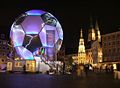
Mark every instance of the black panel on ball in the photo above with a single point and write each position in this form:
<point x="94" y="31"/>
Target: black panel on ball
<point x="32" y="42"/>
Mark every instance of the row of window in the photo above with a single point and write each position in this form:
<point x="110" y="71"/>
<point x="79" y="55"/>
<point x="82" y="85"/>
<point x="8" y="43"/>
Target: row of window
<point x="18" y="64"/>
<point x="4" y="48"/>
<point x="2" y="36"/>
<point x="111" y="59"/>
<point x="90" y="55"/>
<point x="111" y="43"/>
<point x="107" y="54"/>
<point x="110" y="55"/>
<point x="4" y="54"/>
<point x="113" y="50"/>
<point x="2" y="42"/>
<point x="110" y="37"/>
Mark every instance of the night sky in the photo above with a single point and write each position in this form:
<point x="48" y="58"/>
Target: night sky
<point x="72" y="15"/>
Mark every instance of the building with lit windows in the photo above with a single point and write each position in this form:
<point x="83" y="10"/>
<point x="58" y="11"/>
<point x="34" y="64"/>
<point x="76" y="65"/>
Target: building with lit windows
<point x="93" y="45"/>
<point x="4" y="50"/>
<point x="111" y="47"/>
<point x="91" y="52"/>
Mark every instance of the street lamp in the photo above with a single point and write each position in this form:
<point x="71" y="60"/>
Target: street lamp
<point x="12" y="50"/>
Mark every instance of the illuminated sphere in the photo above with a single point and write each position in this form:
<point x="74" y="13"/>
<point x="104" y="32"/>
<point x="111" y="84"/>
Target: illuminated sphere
<point x="35" y="29"/>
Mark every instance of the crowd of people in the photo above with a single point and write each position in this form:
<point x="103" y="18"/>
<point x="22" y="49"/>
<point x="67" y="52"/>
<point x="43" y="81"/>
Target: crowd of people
<point x="82" y="70"/>
<point x="107" y="69"/>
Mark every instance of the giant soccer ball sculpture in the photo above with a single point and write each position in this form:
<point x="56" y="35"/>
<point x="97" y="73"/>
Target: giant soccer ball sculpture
<point x="36" y="32"/>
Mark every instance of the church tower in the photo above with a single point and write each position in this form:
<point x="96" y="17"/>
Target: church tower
<point x="91" y="32"/>
<point x="98" y="36"/>
<point x="81" y="50"/>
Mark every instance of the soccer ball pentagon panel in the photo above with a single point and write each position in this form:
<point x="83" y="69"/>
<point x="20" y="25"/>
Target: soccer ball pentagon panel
<point x="33" y="30"/>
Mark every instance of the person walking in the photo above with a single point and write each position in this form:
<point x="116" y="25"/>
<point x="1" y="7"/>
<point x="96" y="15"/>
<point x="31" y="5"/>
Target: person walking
<point x="106" y="69"/>
<point x="78" y="71"/>
<point x="24" y="68"/>
<point x="86" y="67"/>
<point x="111" y="69"/>
<point x="63" y="67"/>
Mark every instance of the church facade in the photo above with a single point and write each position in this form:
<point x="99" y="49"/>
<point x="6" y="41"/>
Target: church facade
<point x="90" y="52"/>
<point x="93" y="45"/>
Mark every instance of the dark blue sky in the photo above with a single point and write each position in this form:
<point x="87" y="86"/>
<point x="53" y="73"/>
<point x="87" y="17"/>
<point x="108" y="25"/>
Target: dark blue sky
<point x="72" y="14"/>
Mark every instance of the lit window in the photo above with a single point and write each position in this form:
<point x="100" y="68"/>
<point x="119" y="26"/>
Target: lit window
<point x="118" y="35"/>
<point x="4" y="43"/>
<point x="113" y="43"/>
<point x="113" y="36"/>
<point x="104" y="44"/>
<point x="2" y="36"/>
<point x="118" y="50"/>
<point x="3" y="47"/>
<point x="7" y="48"/>
<point x="118" y="42"/>
<point x="18" y="64"/>
<point x="104" y="38"/>
<point x="114" y="50"/>
<point x="108" y="37"/>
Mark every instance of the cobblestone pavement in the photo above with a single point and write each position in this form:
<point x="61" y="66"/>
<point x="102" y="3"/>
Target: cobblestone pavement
<point x="93" y="80"/>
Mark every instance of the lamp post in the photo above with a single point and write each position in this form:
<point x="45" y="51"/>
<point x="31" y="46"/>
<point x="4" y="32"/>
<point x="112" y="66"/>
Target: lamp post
<point x="12" y="51"/>
<point x="56" y="64"/>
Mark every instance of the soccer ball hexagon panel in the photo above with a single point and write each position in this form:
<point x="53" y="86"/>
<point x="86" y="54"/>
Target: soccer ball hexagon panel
<point x="36" y="29"/>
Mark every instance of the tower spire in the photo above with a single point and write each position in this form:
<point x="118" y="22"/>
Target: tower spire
<point x="91" y="23"/>
<point x="96" y="26"/>
<point x="91" y="34"/>
<point x="81" y="50"/>
<point x="98" y="36"/>
<point x="81" y="34"/>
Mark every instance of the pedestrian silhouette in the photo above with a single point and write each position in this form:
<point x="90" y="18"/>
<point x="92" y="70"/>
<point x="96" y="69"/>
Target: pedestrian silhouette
<point x="106" y="69"/>
<point x="111" y="68"/>
<point x="24" y="68"/>
<point x="63" y="67"/>
<point x="86" y="67"/>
